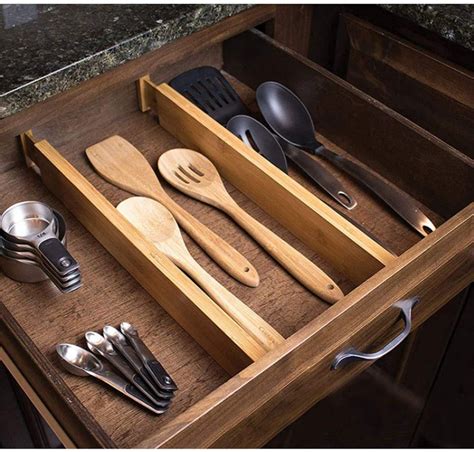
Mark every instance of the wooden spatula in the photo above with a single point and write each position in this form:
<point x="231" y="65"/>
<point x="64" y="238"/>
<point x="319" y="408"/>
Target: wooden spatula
<point x="156" y="224"/>
<point x="194" y="174"/>
<point x="123" y="165"/>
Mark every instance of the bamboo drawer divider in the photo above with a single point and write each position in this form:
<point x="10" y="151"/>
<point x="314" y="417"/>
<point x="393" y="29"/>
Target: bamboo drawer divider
<point x="316" y="224"/>
<point x="210" y="326"/>
<point x="311" y="220"/>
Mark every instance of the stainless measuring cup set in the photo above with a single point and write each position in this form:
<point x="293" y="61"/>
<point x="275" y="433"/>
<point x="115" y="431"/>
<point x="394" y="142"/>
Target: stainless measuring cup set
<point x="122" y="360"/>
<point x="33" y="246"/>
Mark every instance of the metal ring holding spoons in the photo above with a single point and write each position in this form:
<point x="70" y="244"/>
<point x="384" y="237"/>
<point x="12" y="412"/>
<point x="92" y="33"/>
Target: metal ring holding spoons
<point x="33" y="223"/>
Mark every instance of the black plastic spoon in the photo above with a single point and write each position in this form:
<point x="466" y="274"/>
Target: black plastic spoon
<point x="254" y="134"/>
<point x="207" y="88"/>
<point x="289" y="118"/>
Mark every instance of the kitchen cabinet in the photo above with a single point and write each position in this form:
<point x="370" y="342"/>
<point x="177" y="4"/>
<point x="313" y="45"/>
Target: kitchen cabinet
<point x="249" y="407"/>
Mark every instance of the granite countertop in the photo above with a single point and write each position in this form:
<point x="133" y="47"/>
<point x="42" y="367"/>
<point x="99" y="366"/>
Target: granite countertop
<point x="453" y="22"/>
<point x="48" y="49"/>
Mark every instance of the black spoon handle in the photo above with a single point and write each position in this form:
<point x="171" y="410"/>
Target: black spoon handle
<point x="399" y="201"/>
<point x="159" y="375"/>
<point x="320" y="175"/>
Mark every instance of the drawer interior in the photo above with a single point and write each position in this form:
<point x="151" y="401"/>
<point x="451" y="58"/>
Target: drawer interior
<point x="110" y="295"/>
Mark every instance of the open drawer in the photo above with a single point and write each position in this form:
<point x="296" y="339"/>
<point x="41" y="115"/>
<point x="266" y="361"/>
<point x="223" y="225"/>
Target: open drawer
<point x="213" y="408"/>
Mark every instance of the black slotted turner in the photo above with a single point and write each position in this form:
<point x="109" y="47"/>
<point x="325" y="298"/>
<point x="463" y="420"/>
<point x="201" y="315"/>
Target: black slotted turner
<point x="207" y="88"/>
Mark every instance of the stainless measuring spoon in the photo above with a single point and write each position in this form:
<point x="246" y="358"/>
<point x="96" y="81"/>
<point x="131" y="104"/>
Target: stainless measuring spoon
<point x="156" y="370"/>
<point x="101" y="346"/>
<point x="83" y="363"/>
<point x="126" y="350"/>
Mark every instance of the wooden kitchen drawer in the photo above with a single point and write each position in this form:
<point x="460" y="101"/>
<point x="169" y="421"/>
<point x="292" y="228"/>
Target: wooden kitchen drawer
<point x="431" y="91"/>
<point x="213" y="408"/>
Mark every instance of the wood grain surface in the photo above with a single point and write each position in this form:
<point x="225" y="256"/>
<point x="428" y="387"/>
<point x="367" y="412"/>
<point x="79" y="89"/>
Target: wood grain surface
<point x="103" y="107"/>
<point x="432" y="92"/>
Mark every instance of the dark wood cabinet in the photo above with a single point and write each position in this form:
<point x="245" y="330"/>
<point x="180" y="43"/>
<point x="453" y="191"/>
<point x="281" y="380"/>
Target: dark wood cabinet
<point x="419" y="396"/>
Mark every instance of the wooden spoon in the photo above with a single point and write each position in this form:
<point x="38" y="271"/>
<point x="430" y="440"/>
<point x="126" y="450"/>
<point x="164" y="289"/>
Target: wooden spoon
<point x="156" y="224"/>
<point x="123" y="165"/>
<point x="194" y="174"/>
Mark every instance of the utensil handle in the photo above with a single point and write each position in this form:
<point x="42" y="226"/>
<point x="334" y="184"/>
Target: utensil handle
<point x="117" y="382"/>
<point x="301" y="268"/>
<point x="156" y="370"/>
<point x="400" y="202"/>
<point x="135" y="378"/>
<point x="140" y="384"/>
<point x="329" y="183"/>
<point x="56" y="255"/>
<point x="122" y="366"/>
<point x="217" y="248"/>
<point x="127" y="352"/>
<point x="133" y="393"/>
<point x="260" y="330"/>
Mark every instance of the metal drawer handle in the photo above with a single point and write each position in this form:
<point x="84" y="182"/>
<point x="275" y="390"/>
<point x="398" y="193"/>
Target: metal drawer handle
<point x="351" y="354"/>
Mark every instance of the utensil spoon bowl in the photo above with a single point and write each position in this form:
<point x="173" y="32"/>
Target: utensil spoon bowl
<point x="290" y="119"/>
<point x="194" y="174"/>
<point x="157" y="224"/>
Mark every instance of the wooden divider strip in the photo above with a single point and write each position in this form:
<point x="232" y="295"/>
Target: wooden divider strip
<point x="311" y="220"/>
<point x="208" y="324"/>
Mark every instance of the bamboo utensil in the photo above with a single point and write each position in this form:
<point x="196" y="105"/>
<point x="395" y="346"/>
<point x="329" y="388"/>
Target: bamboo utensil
<point x="123" y="165"/>
<point x="194" y="174"/>
<point x="157" y="224"/>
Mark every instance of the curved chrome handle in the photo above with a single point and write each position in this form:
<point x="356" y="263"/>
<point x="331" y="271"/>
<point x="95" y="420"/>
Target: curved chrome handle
<point x="351" y="354"/>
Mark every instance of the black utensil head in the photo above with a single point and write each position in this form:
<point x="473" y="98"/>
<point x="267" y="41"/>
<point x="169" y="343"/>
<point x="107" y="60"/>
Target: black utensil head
<point x="208" y="89"/>
<point x="255" y="135"/>
<point x="286" y="114"/>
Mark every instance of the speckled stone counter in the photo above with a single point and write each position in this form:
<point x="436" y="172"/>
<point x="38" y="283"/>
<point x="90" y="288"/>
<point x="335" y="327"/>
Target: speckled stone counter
<point x="48" y="49"/>
<point x="453" y="22"/>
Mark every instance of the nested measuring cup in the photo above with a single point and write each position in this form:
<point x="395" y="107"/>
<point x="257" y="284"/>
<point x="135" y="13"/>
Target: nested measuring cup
<point x="33" y="223"/>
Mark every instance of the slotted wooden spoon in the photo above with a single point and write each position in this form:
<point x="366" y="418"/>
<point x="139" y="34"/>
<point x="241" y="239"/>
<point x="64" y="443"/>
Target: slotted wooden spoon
<point x="156" y="224"/>
<point x="194" y="174"/>
<point x="122" y="164"/>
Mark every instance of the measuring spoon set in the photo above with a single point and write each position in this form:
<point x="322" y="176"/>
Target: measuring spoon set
<point x="121" y="360"/>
